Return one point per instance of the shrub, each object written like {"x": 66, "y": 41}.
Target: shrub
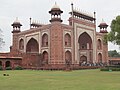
{"x": 110, "y": 69}
{"x": 104, "y": 69}
{"x": 8, "y": 68}
{"x": 115, "y": 69}
{"x": 18, "y": 68}
{"x": 1, "y": 68}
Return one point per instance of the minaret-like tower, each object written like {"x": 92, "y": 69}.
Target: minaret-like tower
{"x": 103, "y": 27}
{"x": 16, "y": 26}
{"x": 55, "y": 13}
{"x": 56, "y": 36}
{"x": 16, "y": 29}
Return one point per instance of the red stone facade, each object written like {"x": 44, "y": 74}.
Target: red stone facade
{"x": 58, "y": 45}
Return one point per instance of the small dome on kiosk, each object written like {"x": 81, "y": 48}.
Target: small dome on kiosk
{"x": 103, "y": 24}
{"x": 16, "y": 26}
{"x": 16, "y": 22}
{"x": 103, "y": 27}
{"x": 55, "y": 7}
{"x": 55, "y": 13}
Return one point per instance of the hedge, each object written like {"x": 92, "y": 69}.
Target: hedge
{"x": 110, "y": 69}
{"x": 18, "y": 68}
{"x": 8, "y": 68}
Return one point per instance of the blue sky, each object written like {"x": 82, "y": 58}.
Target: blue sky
{"x": 38, "y": 10}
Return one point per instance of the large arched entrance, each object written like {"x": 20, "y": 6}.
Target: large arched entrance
{"x": 85, "y": 41}
{"x": 7, "y": 64}
{"x": 83, "y": 60}
{"x": 45, "y": 57}
{"x": 100, "y": 58}
{"x": 68, "y": 57}
{"x": 32, "y": 46}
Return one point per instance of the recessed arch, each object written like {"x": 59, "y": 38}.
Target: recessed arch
{"x": 7, "y": 64}
{"x": 45, "y": 57}
{"x": 21, "y": 44}
{"x": 68, "y": 57}
{"x": 85, "y": 41}
{"x": 45, "y": 40}
{"x": 32, "y": 46}
{"x": 83, "y": 59}
{"x": 99, "y": 44}
{"x": 67, "y": 40}
{"x": 100, "y": 58}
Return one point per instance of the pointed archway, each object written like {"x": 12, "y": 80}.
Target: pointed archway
{"x": 83, "y": 59}
{"x": 21, "y": 44}
{"x": 100, "y": 58}
{"x": 45, "y": 57}
{"x": 85, "y": 41}
{"x": 67, "y": 40}
{"x": 32, "y": 46}
{"x": 68, "y": 57}
{"x": 7, "y": 64}
{"x": 45, "y": 40}
{"x": 99, "y": 44}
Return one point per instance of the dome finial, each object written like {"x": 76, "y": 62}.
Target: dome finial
{"x": 103, "y": 21}
{"x": 16, "y": 20}
{"x": 55, "y": 6}
{"x": 55, "y": 3}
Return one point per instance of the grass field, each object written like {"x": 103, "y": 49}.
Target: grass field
{"x": 59, "y": 80}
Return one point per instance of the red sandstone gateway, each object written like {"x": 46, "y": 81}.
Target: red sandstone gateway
{"x": 57, "y": 45}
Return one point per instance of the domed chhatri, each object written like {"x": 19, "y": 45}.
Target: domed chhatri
{"x": 103, "y": 27}
{"x": 103, "y": 24}
{"x": 16, "y": 26}
{"x": 55, "y": 13}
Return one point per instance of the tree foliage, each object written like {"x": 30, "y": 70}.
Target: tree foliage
{"x": 113, "y": 53}
{"x": 114, "y": 34}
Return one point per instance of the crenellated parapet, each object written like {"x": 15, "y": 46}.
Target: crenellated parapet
{"x": 80, "y": 14}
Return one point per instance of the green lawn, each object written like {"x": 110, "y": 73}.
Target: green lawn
{"x": 59, "y": 80}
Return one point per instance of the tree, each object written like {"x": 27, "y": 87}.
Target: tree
{"x": 113, "y": 53}
{"x": 2, "y": 42}
{"x": 114, "y": 34}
